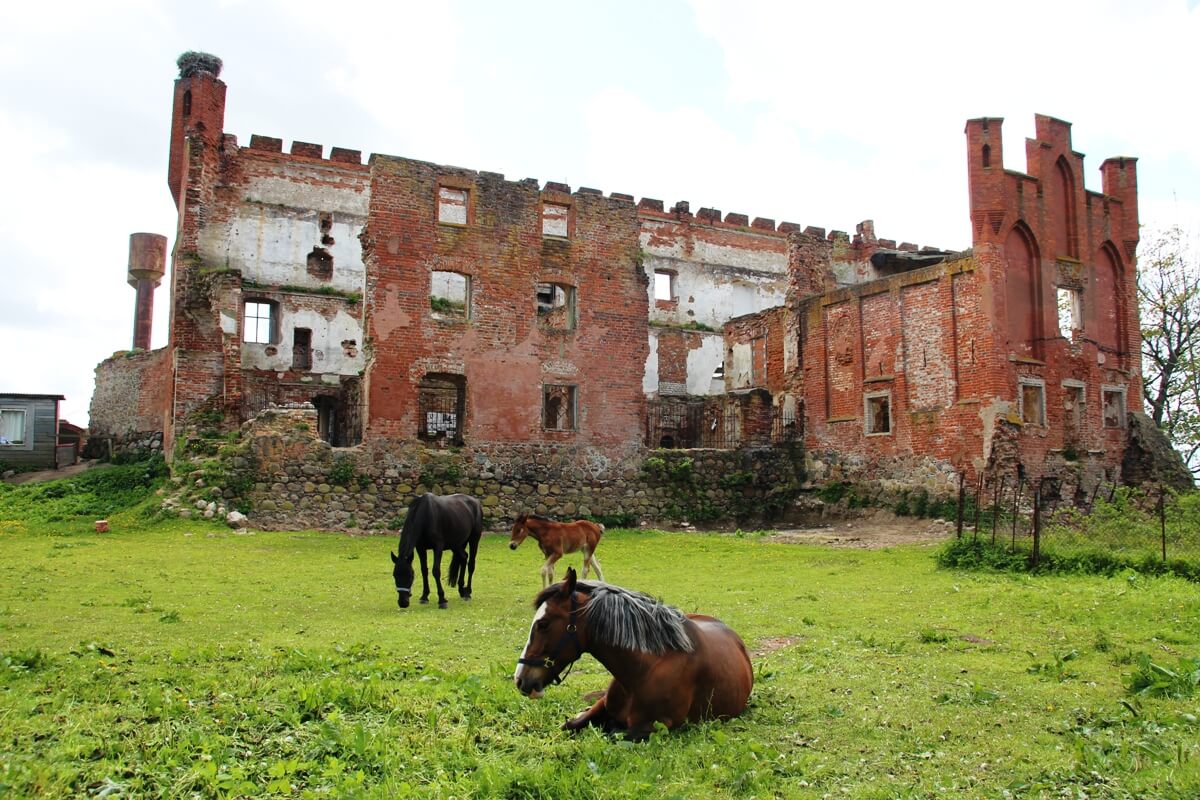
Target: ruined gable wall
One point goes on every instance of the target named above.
(721, 268)
(502, 350)
(1037, 233)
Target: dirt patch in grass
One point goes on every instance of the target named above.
(876, 532)
(771, 644)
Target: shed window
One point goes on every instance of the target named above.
(12, 426)
(556, 306)
(452, 206)
(558, 407)
(261, 322)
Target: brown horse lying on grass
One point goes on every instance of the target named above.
(667, 666)
(557, 539)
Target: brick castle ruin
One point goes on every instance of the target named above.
(435, 326)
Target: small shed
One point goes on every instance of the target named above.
(29, 431)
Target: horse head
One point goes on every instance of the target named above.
(519, 531)
(402, 574)
(554, 638)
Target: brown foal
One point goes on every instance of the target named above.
(556, 539)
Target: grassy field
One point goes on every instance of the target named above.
(182, 659)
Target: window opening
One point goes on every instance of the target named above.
(878, 413)
(452, 206)
(260, 322)
(440, 407)
(187, 103)
(1070, 311)
(1033, 403)
(12, 426)
(558, 406)
(301, 348)
(449, 295)
(1112, 407)
(556, 306)
(320, 263)
(987, 155)
(555, 217)
(664, 285)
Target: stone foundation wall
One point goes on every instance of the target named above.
(284, 477)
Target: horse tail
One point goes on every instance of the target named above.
(458, 563)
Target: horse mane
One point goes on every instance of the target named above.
(412, 528)
(619, 617)
(539, 516)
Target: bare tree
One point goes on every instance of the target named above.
(1169, 300)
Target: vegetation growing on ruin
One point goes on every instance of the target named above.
(690, 325)
(183, 658)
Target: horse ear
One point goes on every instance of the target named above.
(569, 582)
(393, 555)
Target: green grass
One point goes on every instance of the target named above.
(183, 659)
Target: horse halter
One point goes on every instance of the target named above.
(404, 591)
(569, 635)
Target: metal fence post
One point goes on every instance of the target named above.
(962, 494)
(1162, 519)
(1037, 525)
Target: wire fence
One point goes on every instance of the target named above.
(1136, 525)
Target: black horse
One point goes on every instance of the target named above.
(454, 523)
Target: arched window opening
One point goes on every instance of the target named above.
(187, 103)
(987, 155)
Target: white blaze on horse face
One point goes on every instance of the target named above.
(521, 668)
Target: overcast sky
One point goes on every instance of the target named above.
(822, 114)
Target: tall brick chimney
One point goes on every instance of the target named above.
(199, 111)
(147, 264)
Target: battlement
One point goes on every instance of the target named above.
(303, 150)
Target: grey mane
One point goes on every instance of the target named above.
(634, 621)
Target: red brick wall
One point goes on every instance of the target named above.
(1079, 239)
(502, 351)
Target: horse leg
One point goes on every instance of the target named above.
(548, 570)
(424, 576)
(595, 565)
(464, 589)
(437, 577)
(596, 715)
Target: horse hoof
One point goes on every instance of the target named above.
(443, 604)
(424, 600)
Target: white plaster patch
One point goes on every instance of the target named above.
(740, 370)
(328, 355)
(650, 376)
(229, 324)
(702, 362)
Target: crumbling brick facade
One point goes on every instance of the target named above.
(510, 322)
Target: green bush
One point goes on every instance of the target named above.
(342, 472)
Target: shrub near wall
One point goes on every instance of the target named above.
(284, 476)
